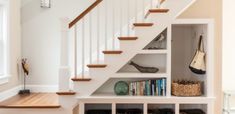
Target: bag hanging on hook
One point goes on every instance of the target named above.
(198, 64)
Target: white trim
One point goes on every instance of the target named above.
(4, 79)
(42, 88)
(9, 93)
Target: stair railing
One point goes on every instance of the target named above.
(100, 21)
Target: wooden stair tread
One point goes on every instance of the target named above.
(158, 10)
(66, 93)
(33, 100)
(112, 52)
(128, 38)
(81, 79)
(96, 65)
(143, 24)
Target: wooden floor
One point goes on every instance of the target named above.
(34, 100)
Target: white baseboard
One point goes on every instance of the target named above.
(33, 88)
(42, 88)
(9, 93)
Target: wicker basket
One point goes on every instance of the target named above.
(186, 89)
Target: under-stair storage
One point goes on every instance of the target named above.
(184, 43)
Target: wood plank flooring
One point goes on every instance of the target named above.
(34, 100)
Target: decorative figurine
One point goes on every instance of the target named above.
(159, 40)
(25, 67)
(144, 69)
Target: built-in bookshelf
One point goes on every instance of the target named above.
(150, 93)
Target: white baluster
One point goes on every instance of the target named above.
(75, 50)
(136, 11)
(98, 34)
(120, 17)
(158, 4)
(90, 39)
(83, 46)
(128, 17)
(106, 23)
(113, 24)
(143, 8)
(151, 4)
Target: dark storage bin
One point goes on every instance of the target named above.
(98, 112)
(129, 111)
(161, 111)
(192, 111)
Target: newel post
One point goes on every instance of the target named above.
(64, 71)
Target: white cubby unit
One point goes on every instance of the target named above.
(173, 61)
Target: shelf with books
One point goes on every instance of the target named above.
(154, 87)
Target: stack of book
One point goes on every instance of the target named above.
(148, 88)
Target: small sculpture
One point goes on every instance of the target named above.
(25, 67)
(159, 40)
(144, 69)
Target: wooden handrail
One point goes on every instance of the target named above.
(84, 13)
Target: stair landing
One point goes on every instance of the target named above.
(34, 100)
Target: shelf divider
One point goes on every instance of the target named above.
(177, 108)
(145, 108)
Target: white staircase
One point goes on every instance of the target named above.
(88, 80)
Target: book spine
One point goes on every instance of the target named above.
(156, 84)
(146, 87)
(163, 87)
(159, 87)
(152, 88)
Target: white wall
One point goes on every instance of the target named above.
(41, 36)
(228, 45)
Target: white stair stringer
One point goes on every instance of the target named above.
(131, 48)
